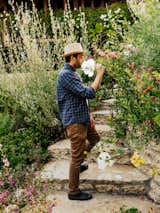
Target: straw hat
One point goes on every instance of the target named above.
(73, 48)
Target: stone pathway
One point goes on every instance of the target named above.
(121, 179)
(102, 203)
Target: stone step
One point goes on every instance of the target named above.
(103, 113)
(102, 116)
(104, 130)
(102, 203)
(120, 155)
(118, 179)
(107, 104)
(60, 149)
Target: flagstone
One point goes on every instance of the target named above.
(101, 203)
(116, 179)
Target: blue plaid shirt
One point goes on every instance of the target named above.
(72, 97)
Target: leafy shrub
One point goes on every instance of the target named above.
(137, 79)
(6, 124)
(30, 98)
(144, 35)
(24, 147)
(109, 27)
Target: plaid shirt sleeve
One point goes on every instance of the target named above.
(72, 83)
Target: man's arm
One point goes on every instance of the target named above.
(99, 76)
(73, 84)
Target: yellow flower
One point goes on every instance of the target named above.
(136, 160)
(110, 117)
(135, 156)
(85, 153)
(142, 160)
(136, 163)
(158, 166)
(151, 172)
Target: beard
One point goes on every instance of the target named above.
(77, 64)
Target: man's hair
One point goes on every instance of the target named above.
(68, 58)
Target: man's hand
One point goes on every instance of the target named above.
(100, 69)
(92, 121)
(99, 76)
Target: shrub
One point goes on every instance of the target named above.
(25, 147)
(137, 77)
(30, 99)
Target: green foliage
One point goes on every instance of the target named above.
(137, 100)
(28, 107)
(6, 124)
(106, 26)
(30, 99)
(144, 35)
(130, 210)
(25, 146)
(135, 68)
(98, 29)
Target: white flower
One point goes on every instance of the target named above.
(103, 159)
(88, 67)
(103, 16)
(117, 11)
(126, 53)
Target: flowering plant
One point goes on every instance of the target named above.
(104, 159)
(136, 160)
(137, 96)
(88, 67)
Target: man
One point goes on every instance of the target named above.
(74, 112)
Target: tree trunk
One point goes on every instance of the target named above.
(55, 7)
(102, 4)
(45, 5)
(82, 3)
(3, 5)
(75, 3)
(64, 4)
(35, 2)
(92, 4)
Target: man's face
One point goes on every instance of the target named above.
(78, 60)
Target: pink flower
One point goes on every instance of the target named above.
(112, 55)
(3, 195)
(54, 203)
(94, 50)
(6, 162)
(101, 53)
(149, 69)
(1, 183)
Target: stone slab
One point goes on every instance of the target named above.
(101, 113)
(104, 130)
(103, 116)
(114, 178)
(61, 150)
(60, 145)
(109, 102)
(101, 203)
(154, 192)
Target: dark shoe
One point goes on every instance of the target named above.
(83, 167)
(80, 196)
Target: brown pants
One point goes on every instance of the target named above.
(78, 134)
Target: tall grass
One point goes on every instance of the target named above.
(27, 51)
(29, 46)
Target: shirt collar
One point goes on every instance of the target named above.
(68, 66)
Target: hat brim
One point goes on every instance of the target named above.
(72, 53)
